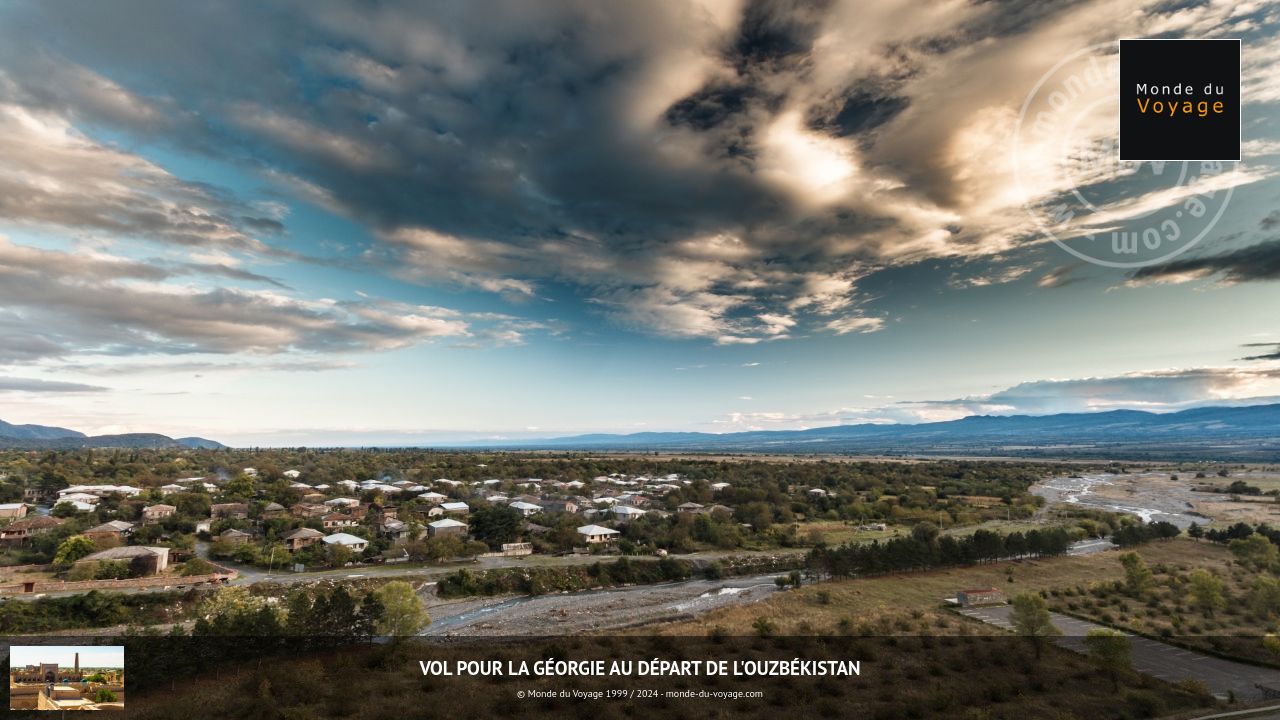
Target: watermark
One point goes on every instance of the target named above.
(1109, 212)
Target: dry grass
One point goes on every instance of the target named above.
(822, 606)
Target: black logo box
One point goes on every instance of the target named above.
(1185, 67)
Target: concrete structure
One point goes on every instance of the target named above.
(595, 534)
(980, 596)
(12, 510)
(526, 508)
(147, 560)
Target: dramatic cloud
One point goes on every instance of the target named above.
(718, 169)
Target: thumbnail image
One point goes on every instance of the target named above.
(66, 677)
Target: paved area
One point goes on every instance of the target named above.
(1151, 657)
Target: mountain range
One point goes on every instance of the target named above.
(1251, 432)
(40, 437)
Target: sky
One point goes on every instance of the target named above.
(322, 222)
(91, 656)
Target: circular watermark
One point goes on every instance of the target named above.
(1120, 214)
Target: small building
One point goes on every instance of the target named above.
(147, 560)
(308, 510)
(232, 536)
(20, 530)
(274, 510)
(171, 488)
(12, 510)
(116, 530)
(337, 520)
(301, 538)
(626, 513)
(561, 506)
(447, 526)
(152, 513)
(455, 508)
(525, 508)
(355, 543)
(596, 534)
(229, 510)
(980, 596)
(689, 507)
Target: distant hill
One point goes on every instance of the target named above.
(1240, 433)
(36, 432)
(41, 437)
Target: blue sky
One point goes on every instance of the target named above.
(335, 223)
(91, 656)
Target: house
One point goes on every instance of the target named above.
(455, 508)
(526, 508)
(356, 544)
(717, 487)
(13, 510)
(395, 530)
(626, 513)
(274, 510)
(561, 506)
(817, 492)
(82, 498)
(234, 537)
(596, 534)
(342, 502)
(301, 538)
(229, 510)
(980, 596)
(152, 513)
(292, 474)
(20, 530)
(171, 488)
(147, 560)
(447, 526)
(689, 507)
(308, 510)
(114, 530)
(100, 490)
(337, 520)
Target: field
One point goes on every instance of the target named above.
(913, 602)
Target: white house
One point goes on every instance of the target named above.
(292, 474)
(171, 488)
(357, 544)
(625, 513)
(455, 508)
(594, 534)
(526, 508)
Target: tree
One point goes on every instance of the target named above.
(1195, 531)
(1137, 576)
(403, 612)
(104, 696)
(1265, 596)
(72, 549)
(495, 525)
(925, 532)
(1255, 552)
(1206, 591)
(338, 554)
(1109, 653)
(1031, 619)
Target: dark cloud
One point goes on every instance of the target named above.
(1252, 263)
(33, 385)
(1272, 352)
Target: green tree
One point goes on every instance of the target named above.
(1255, 552)
(1206, 591)
(104, 696)
(1031, 619)
(1137, 576)
(72, 549)
(403, 612)
(1109, 653)
(1264, 599)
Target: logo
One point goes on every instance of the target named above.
(1101, 209)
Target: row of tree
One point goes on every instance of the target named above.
(923, 550)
